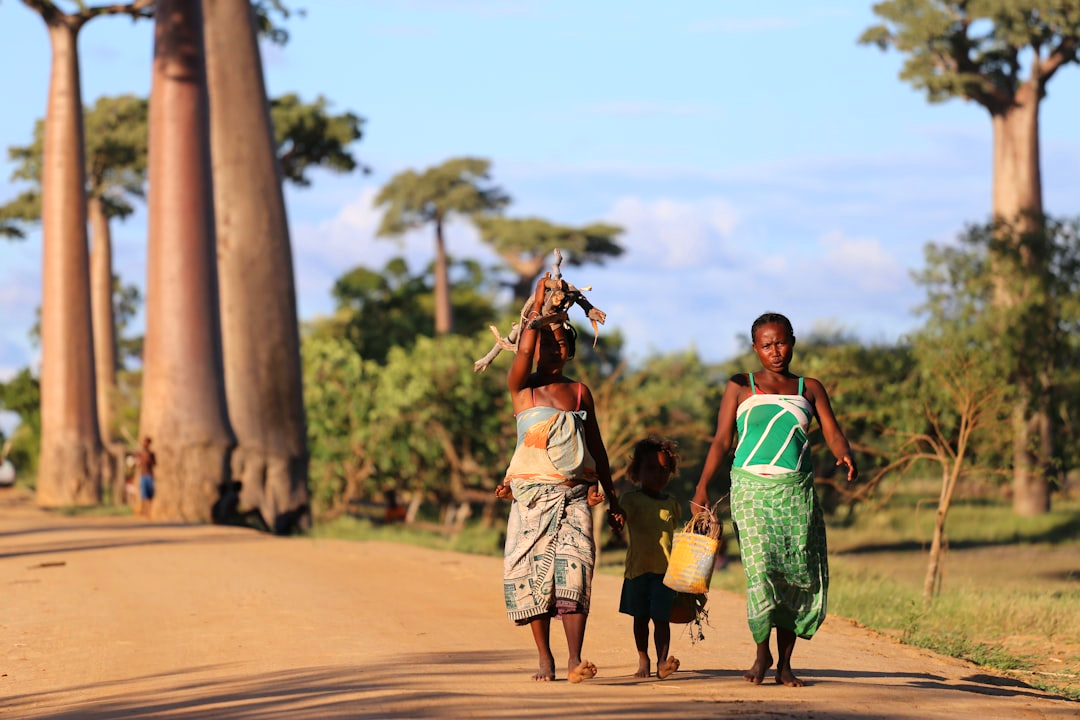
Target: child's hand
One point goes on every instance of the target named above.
(615, 516)
(503, 491)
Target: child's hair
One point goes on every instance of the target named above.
(652, 444)
(768, 319)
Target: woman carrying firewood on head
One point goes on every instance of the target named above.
(552, 479)
(774, 506)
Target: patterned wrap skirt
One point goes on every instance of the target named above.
(549, 556)
(781, 533)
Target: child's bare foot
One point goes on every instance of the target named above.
(644, 668)
(784, 676)
(756, 673)
(667, 667)
(585, 671)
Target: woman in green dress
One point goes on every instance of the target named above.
(780, 526)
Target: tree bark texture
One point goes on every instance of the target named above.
(71, 452)
(104, 321)
(444, 320)
(260, 333)
(1017, 194)
(183, 398)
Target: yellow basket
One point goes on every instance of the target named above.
(690, 567)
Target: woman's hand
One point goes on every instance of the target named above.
(852, 471)
(541, 291)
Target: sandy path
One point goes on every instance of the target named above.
(114, 618)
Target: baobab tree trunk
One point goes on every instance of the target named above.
(70, 471)
(104, 326)
(1017, 198)
(444, 321)
(183, 398)
(260, 334)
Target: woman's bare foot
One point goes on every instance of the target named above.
(644, 667)
(585, 671)
(756, 673)
(667, 667)
(546, 671)
(786, 677)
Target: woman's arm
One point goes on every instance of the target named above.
(830, 428)
(517, 379)
(721, 442)
(595, 443)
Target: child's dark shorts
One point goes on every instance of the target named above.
(646, 596)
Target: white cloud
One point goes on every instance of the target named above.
(862, 262)
(674, 234)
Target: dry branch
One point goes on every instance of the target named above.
(559, 297)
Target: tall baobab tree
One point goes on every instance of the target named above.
(70, 468)
(260, 334)
(115, 140)
(459, 186)
(1001, 56)
(183, 396)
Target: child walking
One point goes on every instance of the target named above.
(651, 516)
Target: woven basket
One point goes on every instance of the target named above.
(690, 567)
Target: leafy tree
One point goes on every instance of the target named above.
(306, 136)
(1000, 54)
(380, 310)
(22, 395)
(524, 244)
(339, 399)
(459, 186)
(959, 398)
(1034, 338)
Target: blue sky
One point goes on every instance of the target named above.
(757, 157)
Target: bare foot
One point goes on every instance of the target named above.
(786, 677)
(667, 667)
(644, 668)
(546, 673)
(585, 671)
(756, 673)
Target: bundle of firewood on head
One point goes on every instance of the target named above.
(559, 297)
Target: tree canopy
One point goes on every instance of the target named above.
(978, 49)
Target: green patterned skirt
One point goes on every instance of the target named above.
(782, 541)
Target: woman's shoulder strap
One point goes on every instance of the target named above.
(801, 384)
(752, 390)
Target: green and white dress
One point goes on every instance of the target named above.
(775, 509)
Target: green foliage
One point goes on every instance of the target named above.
(458, 186)
(264, 19)
(977, 49)
(1032, 340)
(423, 422)
(524, 243)
(116, 154)
(22, 395)
(392, 308)
(307, 135)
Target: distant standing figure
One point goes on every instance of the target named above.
(146, 461)
(652, 516)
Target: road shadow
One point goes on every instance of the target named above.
(415, 686)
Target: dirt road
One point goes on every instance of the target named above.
(115, 618)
